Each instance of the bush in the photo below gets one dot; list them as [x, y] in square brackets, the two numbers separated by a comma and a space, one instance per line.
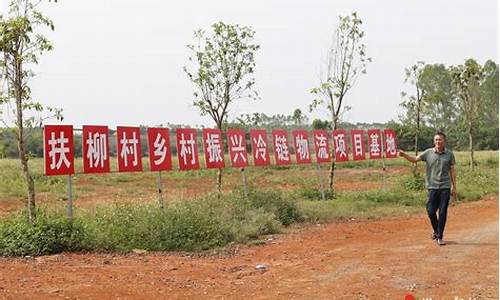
[414, 182]
[194, 225]
[255, 223]
[49, 234]
[272, 201]
[188, 226]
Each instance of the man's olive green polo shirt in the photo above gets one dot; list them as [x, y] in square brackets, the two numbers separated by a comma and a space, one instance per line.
[438, 165]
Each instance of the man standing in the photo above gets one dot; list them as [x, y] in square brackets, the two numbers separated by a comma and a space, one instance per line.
[440, 181]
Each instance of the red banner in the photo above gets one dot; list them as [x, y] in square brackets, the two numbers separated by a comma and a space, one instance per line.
[321, 146]
[258, 137]
[59, 147]
[281, 149]
[95, 144]
[129, 152]
[58, 150]
[340, 145]
[391, 148]
[160, 154]
[374, 144]
[237, 147]
[358, 144]
[214, 148]
[187, 149]
[301, 142]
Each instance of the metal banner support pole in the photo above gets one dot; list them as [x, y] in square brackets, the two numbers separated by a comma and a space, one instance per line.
[160, 191]
[321, 187]
[70, 197]
[384, 169]
[245, 184]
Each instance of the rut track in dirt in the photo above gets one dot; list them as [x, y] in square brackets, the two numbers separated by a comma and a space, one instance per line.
[381, 259]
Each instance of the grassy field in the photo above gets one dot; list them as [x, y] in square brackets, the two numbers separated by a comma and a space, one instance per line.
[119, 211]
[12, 185]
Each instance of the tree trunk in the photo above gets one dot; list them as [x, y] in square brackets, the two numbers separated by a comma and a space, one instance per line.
[21, 145]
[416, 136]
[27, 177]
[219, 171]
[417, 131]
[332, 166]
[416, 153]
[471, 149]
[332, 175]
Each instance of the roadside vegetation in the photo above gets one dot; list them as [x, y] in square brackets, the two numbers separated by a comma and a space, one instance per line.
[279, 197]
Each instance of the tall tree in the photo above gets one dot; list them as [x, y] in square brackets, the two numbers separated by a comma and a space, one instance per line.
[320, 124]
[467, 79]
[439, 109]
[298, 118]
[21, 44]
[414, 103]
[346, 60]
[222, 67]
[488, 131]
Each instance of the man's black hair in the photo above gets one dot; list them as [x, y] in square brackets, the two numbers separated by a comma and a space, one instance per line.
[441, 134]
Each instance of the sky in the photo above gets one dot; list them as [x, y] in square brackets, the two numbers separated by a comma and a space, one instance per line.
[119, 62]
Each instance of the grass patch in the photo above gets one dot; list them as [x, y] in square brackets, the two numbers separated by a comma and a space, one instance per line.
[472, 185]
[188, 226]
[365, 205]
[50, 233]
[195, 225]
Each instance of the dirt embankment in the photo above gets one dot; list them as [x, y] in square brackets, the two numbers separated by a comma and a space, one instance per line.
[383, 259]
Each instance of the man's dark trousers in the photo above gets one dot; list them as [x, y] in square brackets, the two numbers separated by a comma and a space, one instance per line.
[438, 199]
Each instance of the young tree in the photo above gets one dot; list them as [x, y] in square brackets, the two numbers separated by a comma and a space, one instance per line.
[414, 104]
[346, 60]
[467, 80]
[222, 70]
[20, 46]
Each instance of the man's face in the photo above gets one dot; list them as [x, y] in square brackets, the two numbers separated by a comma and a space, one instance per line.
[439, 141]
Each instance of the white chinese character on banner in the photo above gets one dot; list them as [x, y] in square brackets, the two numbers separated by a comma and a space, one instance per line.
[375, 144]
[214, 147]
[237, 147]
[282, 148]
[57, 146]
[187, 147]
[302, 147]
[160, 149]
[96, 152]
[358, 147]
[321, 144]
[261, 147]
[391, 144]
[340, 146]
[129, 147]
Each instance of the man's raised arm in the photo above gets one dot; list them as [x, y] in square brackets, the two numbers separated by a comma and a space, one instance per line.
[412, 159]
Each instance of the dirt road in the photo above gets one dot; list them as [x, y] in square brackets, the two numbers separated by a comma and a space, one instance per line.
[382, 259]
